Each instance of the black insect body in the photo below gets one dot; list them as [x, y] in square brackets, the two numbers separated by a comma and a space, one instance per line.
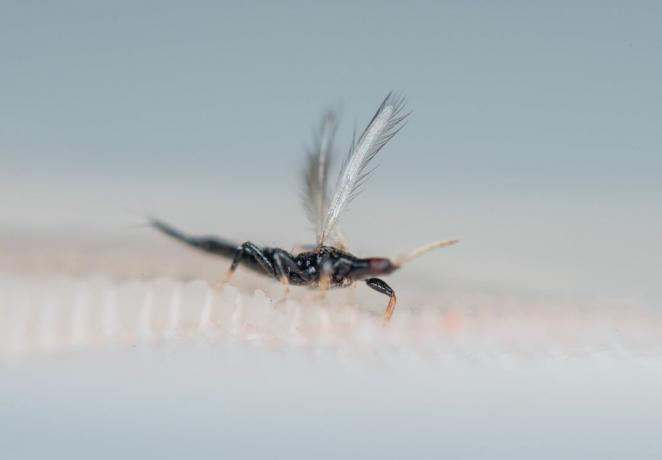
[325, 266]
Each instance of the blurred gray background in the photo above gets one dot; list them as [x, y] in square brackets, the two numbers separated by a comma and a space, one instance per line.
[534, 138]
[535, 133]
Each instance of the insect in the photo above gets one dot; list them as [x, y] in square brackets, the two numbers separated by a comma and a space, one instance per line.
[328, 264]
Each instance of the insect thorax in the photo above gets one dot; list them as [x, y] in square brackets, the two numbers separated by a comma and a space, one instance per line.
[326, 261]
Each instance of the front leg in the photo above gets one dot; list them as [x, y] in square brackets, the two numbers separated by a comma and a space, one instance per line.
[380, 286]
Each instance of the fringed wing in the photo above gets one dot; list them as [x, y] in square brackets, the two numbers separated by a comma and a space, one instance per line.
[354, 172]
[316, 189]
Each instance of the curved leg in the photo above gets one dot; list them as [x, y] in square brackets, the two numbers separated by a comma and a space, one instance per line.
[252, 250]
[281, 260]
[380, 286]
[284, 266]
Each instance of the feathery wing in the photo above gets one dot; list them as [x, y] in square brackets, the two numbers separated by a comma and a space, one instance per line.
[353, 174]
[316, 189]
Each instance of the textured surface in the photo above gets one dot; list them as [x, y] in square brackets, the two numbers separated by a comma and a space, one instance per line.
[124, 363]
[105, 369]
[56, 314]
[535, 138]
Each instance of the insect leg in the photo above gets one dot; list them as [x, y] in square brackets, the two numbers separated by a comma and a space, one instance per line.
[380, 286]
[285, 266]
[281, 260]
[326, 271]
[249, 248]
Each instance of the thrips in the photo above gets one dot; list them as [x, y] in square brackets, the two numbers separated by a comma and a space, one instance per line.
[329, 263]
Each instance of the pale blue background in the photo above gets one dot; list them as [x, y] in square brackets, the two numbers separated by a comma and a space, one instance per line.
[508, 97]
[535, 137]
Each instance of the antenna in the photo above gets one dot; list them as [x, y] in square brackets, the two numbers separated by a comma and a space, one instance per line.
[400, 260]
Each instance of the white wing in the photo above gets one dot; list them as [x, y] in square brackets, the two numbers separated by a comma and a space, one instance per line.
[383, 126]
[316, 189]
